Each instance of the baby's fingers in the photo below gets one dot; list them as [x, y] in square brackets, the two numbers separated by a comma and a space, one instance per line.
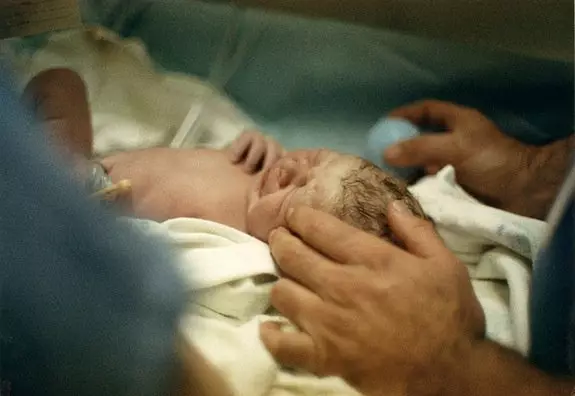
[239, 147]
[256, 154]
[274, 152]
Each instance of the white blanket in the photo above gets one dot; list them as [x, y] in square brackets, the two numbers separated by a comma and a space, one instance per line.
[229, 275]
[133, 104]
[498, 248]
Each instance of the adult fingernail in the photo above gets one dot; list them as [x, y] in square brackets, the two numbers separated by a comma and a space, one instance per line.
[275, 233]
[400, 207]
[269, 326]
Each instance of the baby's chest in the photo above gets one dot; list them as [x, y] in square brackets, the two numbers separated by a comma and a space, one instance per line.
[218, 180]
[210, 187]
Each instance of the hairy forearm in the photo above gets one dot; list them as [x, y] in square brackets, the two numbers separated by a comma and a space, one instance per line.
[545, 169]
[493, 370]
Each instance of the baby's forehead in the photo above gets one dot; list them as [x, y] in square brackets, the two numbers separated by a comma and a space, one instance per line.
[337, 164]
[327, 175]
[327, 168]
[336, 170]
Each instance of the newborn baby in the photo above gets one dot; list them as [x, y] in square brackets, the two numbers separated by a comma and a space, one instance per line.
[248, 186]
[169, 183]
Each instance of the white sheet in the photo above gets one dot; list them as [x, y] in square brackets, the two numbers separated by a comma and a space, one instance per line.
[229, 276]
[498, 248]
[134, 105]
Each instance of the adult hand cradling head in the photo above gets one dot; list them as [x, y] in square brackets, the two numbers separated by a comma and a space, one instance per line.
[382, 318]
[406, 322]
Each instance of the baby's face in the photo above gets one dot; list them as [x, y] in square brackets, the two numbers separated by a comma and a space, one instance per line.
[304, 177]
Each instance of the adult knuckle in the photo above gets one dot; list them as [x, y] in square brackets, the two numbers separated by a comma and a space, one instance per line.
[358, 240]
[296, 255]
[328, 352]
[301, 219]
[423, 226]
[280, 246]
[373, 290]
[278, 289]
[349, 243]
[375, 253]
[339, 287]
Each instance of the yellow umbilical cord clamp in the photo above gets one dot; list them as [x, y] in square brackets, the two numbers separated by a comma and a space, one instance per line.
[111, 193]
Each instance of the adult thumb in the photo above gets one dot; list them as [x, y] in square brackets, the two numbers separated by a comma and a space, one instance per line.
[433, 149]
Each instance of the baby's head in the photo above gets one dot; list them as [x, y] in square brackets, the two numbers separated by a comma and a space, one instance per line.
[345, 186]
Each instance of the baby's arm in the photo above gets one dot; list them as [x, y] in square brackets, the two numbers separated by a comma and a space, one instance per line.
[60, 101]
[254, 151]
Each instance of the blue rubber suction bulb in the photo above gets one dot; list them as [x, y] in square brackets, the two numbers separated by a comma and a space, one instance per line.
[384, 134]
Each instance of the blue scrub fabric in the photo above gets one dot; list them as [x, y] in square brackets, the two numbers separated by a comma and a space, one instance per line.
[87, 307]
[312, 83]
[552, 304]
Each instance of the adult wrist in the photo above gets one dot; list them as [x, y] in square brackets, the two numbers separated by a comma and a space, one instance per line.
[459, 371]
[491, 369]
[540, 173]
[449, 373]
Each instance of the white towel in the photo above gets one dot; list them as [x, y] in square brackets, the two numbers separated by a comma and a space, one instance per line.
[498, 248]
[229, 276]
[133, 104]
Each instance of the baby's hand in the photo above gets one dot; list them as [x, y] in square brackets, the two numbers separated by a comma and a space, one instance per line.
[254, 151]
